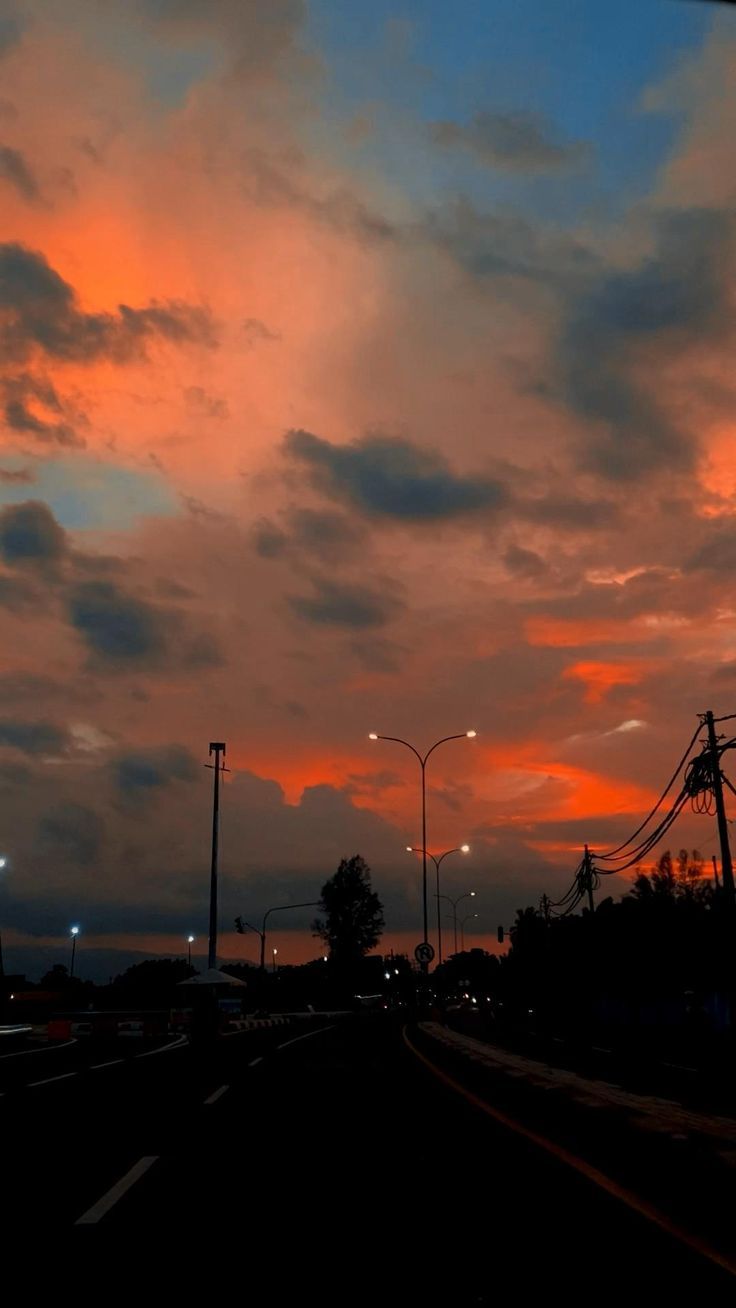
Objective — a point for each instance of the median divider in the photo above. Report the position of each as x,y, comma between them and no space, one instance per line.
253,1024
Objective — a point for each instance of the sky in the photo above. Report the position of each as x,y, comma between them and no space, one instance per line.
362,368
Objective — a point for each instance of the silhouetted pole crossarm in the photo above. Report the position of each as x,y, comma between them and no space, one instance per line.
217,748
717,779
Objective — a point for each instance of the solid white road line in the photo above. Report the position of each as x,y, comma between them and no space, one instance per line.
26,1053
307,1034
116,1192
113,1063
165,1049
217,1094
254,1062
64,1077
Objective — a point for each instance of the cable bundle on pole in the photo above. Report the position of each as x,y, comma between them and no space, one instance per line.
701,785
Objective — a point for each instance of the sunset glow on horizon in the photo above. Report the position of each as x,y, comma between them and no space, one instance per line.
365,369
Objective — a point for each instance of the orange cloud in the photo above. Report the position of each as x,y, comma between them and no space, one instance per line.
599,678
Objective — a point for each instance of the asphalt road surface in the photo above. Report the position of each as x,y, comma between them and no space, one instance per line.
331,1163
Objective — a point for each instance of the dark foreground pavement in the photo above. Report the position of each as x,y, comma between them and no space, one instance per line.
333,1169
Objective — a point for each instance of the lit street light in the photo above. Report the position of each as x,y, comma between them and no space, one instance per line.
462,928
437,859
275,952
190,942
73,933
469,894
423,759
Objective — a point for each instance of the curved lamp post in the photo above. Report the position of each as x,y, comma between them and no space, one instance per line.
469,894
240,923
422,760
437,859
462,928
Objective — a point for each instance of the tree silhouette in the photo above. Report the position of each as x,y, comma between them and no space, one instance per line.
57,978
353,919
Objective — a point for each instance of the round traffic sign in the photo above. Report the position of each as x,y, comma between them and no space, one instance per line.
424,952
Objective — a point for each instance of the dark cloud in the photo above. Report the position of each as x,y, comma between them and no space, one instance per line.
269,540
318,533
514,142
676,296
122,631
389,477
115,626
346,605
33,407
717,553
40,311
39,737
153,768
525,563
15,171
71,832
498,246
30,534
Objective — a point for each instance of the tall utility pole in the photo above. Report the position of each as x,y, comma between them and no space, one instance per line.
588,878
715,764
217,748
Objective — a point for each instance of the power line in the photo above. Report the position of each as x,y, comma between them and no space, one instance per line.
613,852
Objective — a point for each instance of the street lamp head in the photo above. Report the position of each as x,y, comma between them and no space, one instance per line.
190,940
472,894
465,849
373,735
75,931
410,849
3,861
471,734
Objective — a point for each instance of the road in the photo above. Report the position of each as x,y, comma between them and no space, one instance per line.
333,1161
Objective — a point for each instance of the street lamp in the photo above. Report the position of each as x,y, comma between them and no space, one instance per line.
423,759
437,859
241,924
190,942
462,928
73,933
275,952
469,894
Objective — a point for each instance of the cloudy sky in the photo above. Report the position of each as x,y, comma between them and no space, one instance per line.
362,367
